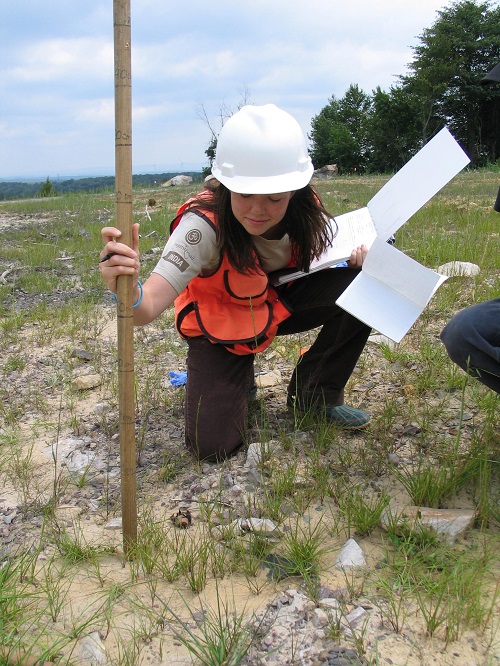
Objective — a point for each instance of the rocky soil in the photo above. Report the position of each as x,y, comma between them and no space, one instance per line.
78,428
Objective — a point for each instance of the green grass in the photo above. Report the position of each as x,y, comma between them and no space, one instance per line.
433,441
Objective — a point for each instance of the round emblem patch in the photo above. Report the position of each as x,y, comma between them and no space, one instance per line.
193,237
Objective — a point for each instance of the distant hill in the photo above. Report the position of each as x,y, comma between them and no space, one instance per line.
20,190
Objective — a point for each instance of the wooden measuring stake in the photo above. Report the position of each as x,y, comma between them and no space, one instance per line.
123,185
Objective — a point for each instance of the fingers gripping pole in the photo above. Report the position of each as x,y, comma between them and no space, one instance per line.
123,184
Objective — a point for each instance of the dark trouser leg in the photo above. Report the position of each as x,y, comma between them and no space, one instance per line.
472,340
323,371
216,402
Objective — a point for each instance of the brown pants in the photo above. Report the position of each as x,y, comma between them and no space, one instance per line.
218,381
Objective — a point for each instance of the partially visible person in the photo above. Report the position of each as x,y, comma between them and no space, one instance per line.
472,336
472,340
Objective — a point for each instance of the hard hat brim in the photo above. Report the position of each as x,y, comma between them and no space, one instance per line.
289,182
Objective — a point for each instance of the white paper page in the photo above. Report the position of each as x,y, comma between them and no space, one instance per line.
401,273
354,228
379,307
391,291
416,182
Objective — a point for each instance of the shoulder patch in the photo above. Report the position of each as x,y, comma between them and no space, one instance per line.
193,237
178,261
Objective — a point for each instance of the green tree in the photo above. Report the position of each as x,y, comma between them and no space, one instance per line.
338,132
382,132
392,130
47,189
454,54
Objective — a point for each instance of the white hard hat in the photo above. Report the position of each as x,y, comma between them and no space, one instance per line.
262,150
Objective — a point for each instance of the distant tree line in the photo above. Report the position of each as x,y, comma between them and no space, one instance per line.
20,190
378,133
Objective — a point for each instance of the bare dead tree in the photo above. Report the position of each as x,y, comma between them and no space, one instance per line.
223,113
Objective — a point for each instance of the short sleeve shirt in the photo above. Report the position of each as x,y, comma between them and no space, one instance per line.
192,250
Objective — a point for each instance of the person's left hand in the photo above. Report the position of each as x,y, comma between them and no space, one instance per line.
357,257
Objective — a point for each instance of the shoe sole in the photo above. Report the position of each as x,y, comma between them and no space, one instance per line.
361,426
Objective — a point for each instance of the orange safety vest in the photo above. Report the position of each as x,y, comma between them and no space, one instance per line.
239,311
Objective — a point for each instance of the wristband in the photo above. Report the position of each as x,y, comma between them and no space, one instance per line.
141,294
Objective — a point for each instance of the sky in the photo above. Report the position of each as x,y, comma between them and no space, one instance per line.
189,59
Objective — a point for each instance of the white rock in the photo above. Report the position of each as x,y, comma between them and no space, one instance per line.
355,617
319,618
351,621
87,382
9,518
79,461
350,556
114,524
263,526
257,449
378,339
92,649
449,524
101,408
180,179
329,604
459,268
267,379
254,455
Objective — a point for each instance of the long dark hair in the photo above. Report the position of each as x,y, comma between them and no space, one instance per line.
306,222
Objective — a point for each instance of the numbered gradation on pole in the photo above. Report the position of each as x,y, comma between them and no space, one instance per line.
123,185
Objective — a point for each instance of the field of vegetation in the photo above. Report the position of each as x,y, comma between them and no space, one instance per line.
19,190
218,544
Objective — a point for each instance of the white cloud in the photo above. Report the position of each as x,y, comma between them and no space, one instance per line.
95,111
55,60
57,85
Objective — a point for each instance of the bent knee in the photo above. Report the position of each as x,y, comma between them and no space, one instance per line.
213,449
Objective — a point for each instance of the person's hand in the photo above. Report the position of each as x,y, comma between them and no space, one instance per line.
117,258
357,256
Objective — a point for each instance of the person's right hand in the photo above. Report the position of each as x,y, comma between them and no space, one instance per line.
124,260
358,255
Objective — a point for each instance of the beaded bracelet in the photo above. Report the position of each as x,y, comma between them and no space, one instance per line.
141,294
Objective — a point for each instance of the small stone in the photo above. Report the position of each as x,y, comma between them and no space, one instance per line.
447,523
268,379
82,354
378,339
355,617
87,382
263,526
351,556
114,524
329,604
91,649
319,618
254,455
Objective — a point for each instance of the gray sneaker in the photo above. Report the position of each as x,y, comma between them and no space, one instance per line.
348,418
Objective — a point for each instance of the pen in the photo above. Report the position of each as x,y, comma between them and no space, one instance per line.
106,257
